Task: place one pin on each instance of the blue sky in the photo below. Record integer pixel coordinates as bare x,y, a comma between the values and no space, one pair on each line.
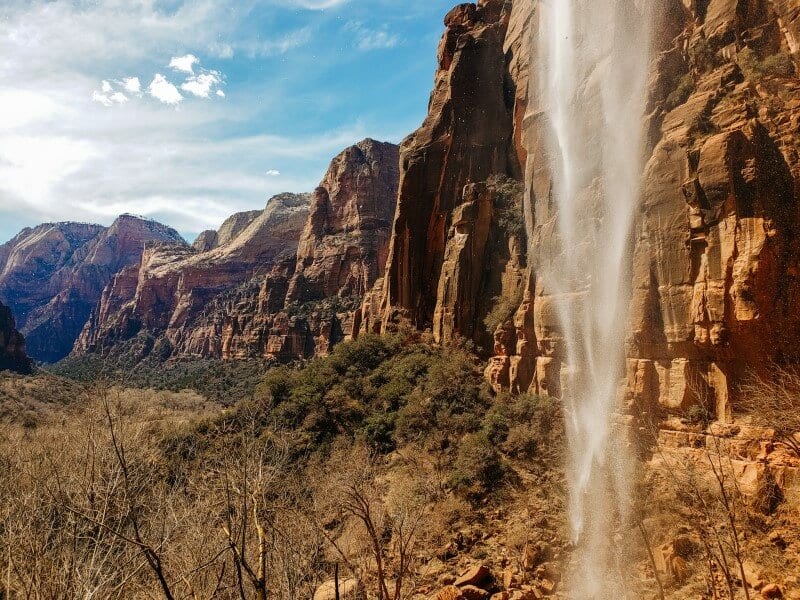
189,111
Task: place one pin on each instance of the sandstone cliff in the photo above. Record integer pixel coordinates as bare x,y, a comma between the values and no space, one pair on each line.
12,345
172,286
716,263
52,276
285,284
308,304
466,138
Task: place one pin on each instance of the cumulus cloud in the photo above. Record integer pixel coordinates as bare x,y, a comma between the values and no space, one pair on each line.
273,173
220,93
132,85
161,89
184,64
201,85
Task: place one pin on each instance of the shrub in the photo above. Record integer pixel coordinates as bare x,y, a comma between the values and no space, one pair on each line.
681,92
702,55
508,209
478,469
503,310
521,441
775,65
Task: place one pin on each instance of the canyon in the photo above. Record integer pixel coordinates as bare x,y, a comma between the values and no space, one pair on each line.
644,257
450,232
283,283
52,275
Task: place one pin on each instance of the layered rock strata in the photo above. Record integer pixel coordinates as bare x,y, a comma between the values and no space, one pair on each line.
715,255
52,276
439,270
172,286
308,304
286,286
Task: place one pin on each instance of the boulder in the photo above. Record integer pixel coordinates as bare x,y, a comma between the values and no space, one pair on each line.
478,576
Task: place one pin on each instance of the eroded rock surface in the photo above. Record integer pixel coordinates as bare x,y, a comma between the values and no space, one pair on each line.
53,275
174,284
457,243
715,265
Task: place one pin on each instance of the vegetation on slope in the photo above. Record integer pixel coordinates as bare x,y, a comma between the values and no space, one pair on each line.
369,460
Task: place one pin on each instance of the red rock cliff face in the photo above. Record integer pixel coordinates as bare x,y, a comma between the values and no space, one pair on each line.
716,260
307,304
466,138
344,244
174,285
12,345
52,276
284,286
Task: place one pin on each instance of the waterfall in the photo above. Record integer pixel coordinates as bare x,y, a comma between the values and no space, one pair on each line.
591,72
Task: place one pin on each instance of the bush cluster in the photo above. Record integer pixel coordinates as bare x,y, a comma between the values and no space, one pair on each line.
775,65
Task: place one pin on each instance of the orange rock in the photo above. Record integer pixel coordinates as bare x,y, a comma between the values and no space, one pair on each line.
771,590
478,576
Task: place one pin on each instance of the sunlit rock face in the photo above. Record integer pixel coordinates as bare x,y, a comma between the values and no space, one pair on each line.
284,284
714,266
174,284
12,345
453,250
344,245
52,276
308,304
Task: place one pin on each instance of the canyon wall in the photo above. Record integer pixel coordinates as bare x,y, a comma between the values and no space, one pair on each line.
283,283
715,264
52,276
173,284
12,345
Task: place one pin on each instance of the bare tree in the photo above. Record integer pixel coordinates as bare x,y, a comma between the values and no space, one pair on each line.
389,519
774,403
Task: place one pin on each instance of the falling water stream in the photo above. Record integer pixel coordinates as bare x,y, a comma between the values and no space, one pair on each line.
592,66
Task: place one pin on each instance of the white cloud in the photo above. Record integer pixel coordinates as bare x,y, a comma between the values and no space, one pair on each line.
184,64
200,85
30,166
220,93
22,107
221,50
372,39
132,85
163,90
106,87
320,4
273,173
107,99
280,45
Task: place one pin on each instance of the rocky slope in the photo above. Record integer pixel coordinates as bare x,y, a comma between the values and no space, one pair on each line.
52,276
12,345
284,286
715,268
172,285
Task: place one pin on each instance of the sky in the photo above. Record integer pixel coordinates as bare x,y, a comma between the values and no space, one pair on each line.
189,111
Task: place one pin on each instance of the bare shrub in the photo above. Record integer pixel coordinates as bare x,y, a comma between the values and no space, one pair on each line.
775,403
